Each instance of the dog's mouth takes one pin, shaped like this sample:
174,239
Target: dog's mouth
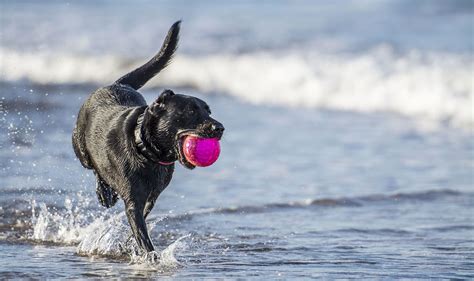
179,147
180,140
180,137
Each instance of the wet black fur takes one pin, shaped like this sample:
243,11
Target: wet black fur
104,138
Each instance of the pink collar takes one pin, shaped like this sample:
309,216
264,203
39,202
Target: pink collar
165,163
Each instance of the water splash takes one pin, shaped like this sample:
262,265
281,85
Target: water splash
65,226
107,234
107,237
165,260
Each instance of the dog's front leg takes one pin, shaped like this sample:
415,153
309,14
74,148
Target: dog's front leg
166,172
138,225
150,202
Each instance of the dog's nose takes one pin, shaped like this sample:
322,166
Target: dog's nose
213,129
217,128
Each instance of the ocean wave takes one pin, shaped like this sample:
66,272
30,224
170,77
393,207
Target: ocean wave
425,86
361,201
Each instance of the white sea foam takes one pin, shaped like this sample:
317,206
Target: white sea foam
435,87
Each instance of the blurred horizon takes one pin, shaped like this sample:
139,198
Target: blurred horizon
412,58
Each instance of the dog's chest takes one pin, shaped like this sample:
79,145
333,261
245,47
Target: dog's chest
156,176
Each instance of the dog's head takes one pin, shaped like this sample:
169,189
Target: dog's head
173,117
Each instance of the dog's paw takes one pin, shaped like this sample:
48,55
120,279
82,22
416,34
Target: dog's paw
150,258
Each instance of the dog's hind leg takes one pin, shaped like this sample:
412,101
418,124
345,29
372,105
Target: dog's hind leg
106,195
79,139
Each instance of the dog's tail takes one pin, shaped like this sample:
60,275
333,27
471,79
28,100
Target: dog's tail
138,77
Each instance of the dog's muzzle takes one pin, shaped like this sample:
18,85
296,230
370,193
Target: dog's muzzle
212,129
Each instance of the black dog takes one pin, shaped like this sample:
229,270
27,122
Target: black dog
132,147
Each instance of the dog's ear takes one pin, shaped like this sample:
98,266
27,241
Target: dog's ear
159,103
165,96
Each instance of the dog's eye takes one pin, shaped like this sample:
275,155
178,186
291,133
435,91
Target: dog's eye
207,109
192,110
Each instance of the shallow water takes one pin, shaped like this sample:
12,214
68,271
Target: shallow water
376,198
311,182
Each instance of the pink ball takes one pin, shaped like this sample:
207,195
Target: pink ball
201,152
